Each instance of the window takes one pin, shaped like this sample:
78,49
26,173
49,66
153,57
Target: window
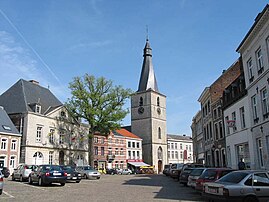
216,131
141,101
181,155
137,145
133,154
95,150
109,151
103,140
160,153
121,141
138,154
220,130
109,140
121,151
38,133
13,145
215,113
12,162
50,157
51,135
158,101
254,108
129,155
259,146
227,126
261,179
176,154
210,130
121,164
38,109
180,146
175,145
242,117
189,147
117,141
234,118
133,144
265,107
168,145
61,138
102,151
63,115
250,70
117,151
173,155
96,140
259,60
159,133
168,154
172,145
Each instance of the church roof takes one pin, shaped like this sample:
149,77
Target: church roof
147,77
24,95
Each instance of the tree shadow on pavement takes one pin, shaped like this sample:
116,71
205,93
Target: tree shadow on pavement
169,189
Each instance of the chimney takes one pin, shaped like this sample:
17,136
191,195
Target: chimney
34,82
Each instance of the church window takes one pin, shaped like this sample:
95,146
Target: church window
160,133
160,153
158,101
141,101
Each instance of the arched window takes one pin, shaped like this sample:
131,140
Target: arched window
141,101
158,101
160,153
38,158
159,133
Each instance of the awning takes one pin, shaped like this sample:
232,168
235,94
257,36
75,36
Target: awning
138,164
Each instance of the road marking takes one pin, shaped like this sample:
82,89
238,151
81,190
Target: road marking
8,194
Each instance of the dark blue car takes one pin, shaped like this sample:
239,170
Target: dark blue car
48,174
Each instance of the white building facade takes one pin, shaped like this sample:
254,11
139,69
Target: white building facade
179,149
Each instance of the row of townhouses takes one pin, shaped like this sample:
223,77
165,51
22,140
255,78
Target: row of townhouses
233,122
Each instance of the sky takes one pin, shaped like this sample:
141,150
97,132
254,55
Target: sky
192,42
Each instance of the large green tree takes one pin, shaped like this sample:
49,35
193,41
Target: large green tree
99,103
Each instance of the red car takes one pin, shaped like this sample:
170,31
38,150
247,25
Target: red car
211,175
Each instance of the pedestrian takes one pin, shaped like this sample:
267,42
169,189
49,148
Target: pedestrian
241,165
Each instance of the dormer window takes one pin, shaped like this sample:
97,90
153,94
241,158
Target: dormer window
38,108
63,114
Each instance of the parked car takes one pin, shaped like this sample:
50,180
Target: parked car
243,185
211,175
47,174
175,170
1,182
5,171
22,172
194,175
72,174
125,172
184,175
111,171
88,172
166,170
189,165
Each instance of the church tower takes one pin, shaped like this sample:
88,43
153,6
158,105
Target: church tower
148,115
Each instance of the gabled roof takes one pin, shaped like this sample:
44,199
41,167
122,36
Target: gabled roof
126,133
6,125
24,95
147,77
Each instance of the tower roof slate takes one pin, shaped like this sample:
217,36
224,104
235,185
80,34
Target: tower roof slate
147,77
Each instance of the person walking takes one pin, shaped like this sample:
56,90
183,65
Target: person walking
241,165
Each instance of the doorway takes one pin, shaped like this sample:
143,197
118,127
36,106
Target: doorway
61,158
160,166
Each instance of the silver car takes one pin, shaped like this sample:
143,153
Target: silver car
194,175
246,186
88,172
22,172
1,182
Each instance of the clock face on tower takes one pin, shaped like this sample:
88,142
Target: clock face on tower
141,110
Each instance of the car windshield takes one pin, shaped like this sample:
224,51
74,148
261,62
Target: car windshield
166,166
188,170
196,172
50,167
67,168
233,177
209,174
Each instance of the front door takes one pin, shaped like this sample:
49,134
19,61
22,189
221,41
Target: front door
160,165
61,158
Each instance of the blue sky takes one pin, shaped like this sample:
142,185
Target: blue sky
193,41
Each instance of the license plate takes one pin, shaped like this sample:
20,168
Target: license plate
74,178
57,173
214,191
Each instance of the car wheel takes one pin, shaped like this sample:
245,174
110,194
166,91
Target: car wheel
250,199
85,176
21,179
30,181
112,173
1,190
40,182
62,184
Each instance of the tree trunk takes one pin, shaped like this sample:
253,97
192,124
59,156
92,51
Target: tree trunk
91,149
